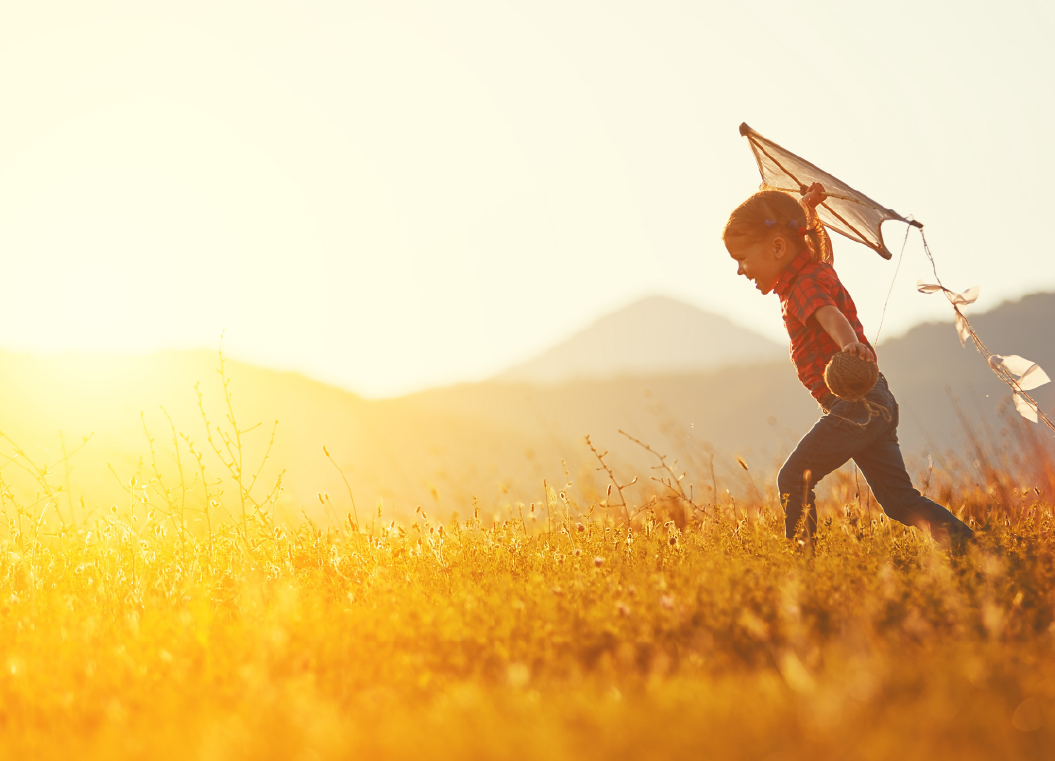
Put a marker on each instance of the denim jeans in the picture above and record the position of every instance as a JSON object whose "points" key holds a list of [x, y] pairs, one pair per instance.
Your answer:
{"points": [[867, 433]]}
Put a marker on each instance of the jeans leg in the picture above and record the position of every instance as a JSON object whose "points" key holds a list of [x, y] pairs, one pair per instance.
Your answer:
{"points": [[848, 430], [884, 469], [825, 448]]}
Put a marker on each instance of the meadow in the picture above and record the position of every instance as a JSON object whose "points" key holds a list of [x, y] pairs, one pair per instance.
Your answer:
{"points": [[204, 618]]}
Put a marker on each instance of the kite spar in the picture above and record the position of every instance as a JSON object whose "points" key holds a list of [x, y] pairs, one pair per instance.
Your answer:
{"points": [[845, 210], [859, 218]]}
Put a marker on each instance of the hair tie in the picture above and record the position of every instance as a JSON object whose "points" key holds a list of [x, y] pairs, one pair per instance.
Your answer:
{"points": [[803, 231], [770, 222]]}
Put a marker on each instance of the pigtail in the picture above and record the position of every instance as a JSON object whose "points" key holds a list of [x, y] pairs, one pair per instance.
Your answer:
{"points": [[817, 237]]}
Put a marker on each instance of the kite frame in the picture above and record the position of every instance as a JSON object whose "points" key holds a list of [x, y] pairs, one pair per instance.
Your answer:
{"points": [[756, 140]]}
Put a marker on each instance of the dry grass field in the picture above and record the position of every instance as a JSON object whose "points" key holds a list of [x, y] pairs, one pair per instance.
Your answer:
{"points": [[195, 620]]}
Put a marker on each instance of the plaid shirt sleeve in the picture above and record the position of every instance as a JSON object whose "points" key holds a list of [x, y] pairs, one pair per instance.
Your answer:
{"points": [[807, 296]]}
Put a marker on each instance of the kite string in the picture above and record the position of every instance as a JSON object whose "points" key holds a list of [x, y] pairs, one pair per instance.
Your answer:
{"points": [[896, 270], [926, 250]]}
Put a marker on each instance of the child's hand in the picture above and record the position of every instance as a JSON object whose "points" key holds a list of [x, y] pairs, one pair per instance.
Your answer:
{"points": [[814, 195], [861, 351]]}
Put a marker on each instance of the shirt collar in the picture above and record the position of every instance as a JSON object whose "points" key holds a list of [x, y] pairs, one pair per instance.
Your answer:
{"points": [[783, 285]]}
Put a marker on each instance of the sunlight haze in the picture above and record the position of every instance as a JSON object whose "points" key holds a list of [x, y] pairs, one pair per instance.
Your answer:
{"points": [[396, 195]]}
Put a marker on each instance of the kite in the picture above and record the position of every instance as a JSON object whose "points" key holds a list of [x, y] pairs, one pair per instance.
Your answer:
{"points": [[846, 211], [857, 217]]}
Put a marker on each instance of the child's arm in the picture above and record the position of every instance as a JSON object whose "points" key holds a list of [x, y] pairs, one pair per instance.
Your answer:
{"points": [[838, 327]]}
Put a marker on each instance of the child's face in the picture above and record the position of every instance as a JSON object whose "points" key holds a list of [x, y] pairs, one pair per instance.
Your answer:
{"points": [[761, 261]]}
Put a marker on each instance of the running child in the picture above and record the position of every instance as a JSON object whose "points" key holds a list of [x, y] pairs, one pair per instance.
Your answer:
{"points": [[781, 246]]}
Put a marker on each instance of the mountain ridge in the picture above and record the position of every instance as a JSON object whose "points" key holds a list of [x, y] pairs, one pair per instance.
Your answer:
{"points": [[494, 441], [654, 335]]}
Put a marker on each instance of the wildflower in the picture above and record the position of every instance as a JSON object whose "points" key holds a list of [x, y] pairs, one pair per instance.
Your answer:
{"points": [[579, 527]]}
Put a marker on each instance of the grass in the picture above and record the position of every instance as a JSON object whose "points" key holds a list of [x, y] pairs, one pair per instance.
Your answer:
{"points": [[491, 641], [171, 628]]}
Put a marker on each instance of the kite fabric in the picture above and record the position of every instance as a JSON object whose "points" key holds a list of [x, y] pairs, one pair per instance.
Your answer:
{"points": [[845, 210]]}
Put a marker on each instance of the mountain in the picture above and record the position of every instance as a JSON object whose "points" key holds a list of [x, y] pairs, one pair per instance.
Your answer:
{"points": [[654, 336], [491, 444], [760, 410]]}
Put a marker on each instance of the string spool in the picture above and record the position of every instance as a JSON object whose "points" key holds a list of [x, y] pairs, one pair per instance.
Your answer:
{"points": [[850, 378]]}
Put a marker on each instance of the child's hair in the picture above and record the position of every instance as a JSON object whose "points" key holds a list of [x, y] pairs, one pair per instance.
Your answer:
{"points": [[774, 212]]}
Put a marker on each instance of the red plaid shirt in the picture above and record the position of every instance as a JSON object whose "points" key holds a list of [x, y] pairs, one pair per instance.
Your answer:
{"points": [[804, 287]]}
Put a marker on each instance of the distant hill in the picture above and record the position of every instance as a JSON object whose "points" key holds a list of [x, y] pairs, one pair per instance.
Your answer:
{"points": [[493, 442], [654, 336], [761, 410]]}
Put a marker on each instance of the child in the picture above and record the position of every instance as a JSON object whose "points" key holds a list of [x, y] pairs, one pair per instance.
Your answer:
{"points": [[782, 247]]}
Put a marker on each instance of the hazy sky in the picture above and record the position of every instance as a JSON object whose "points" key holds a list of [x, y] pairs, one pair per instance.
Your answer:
{"points": [[393, 195]]}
